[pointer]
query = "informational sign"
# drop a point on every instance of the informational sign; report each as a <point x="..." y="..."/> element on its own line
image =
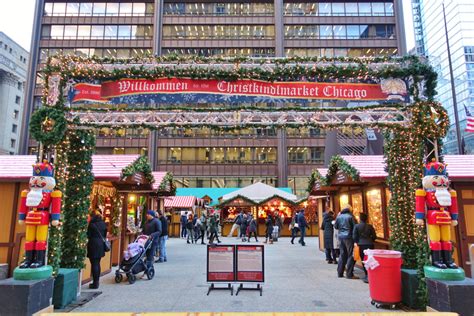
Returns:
<point x="186" y="91"/>
<point x="220" y="263"/>
<point x="370" y="134"/>
<point x="250" y="263"/>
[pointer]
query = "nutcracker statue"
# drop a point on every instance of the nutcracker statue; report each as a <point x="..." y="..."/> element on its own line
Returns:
<point x="38" y="206"/>
<point x="436" y="203"/>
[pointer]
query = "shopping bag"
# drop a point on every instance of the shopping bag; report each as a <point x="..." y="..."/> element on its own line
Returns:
<point x="356" y="253"/>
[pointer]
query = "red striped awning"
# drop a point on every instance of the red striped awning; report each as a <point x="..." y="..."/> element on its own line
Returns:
<point x="158" y="175"/>
<point x="180" y="201"/>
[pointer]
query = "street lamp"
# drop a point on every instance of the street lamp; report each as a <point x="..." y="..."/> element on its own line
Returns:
<point x="453" y="88"/>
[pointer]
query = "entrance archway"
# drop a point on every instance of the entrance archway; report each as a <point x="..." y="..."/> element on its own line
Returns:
<point x="392" y="95"/>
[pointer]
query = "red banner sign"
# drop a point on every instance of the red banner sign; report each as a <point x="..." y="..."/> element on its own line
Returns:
<point x="220" y="263"/>
<point x="250" y="264"/>
<point x="388" y="89"/>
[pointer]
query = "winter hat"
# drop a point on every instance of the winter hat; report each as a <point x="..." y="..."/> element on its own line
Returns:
<point x="151" y="212"/>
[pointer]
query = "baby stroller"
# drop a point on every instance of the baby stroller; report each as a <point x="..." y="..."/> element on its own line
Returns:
<point x="134" y="261"/>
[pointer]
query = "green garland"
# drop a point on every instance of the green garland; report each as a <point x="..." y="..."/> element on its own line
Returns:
<point x="78" y="189"/>
<point x="52" y="134"/>
<point x="314" y="178"/>
<point x="140" y="165"/>
<point x="338" y="163"/>
<point x="167" y="184"/>
<point x="115" y="214"/>
<point x="285" y="69"/>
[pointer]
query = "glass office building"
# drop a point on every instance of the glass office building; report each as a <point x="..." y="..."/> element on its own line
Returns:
<point x="275" y="28"/>
<point x="431" y="41"/>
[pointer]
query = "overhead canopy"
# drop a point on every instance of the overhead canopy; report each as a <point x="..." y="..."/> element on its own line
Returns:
<point x="213" y="193"/>
<point x="258" y="192"/>
<point x="460" y="167"/>
<point x="109" y="167"/>
<point x="181" y="201"/>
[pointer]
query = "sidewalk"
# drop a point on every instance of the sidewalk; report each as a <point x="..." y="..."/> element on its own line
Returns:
<point x="298" y="279"/>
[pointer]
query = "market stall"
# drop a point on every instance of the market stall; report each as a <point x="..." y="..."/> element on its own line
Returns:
<point x="358" y="181"/>
<point x="120" y="190"/>
<point x="260" y="200"/>
<point x="179" y="205"/>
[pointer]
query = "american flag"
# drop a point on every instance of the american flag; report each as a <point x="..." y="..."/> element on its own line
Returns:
<point x="470" y="120"/>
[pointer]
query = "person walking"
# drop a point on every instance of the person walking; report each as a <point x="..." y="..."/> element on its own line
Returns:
<point x="183" y="220"/>
<point x="213" y="227"/>
<point x="163" y="237"/>
<point x="196" y="228"/>
<point x="294" y="227"/>
<point x="190" y="229"/>
<point x="345" y="224"/>
<point x="302" y="224"/>
<point x="243" y="227"/>
<point x="278" y="223"/>
<point x="252" y="227"/>
<point x="328" y="229"/>
<point x="152" y="228"/>
<point x="203" y="221"/>
<point x="236" y="225"/>
<point x="269" y="229"/>
<point x="364" y="236"/>
<point x="96" y="233"/>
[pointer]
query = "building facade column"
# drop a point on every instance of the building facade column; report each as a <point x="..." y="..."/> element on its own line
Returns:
<point x="282" y="158"/>
<point x="28" y="105"/>
<point x="279" y="29"/>
<point x="400" y="25"/>
<point x="157" y="35"/>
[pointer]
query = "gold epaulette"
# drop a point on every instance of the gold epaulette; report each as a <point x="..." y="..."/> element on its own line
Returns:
<point x="56" y="194"/>
<point x="453" y="193"/>
<point x="420" y="192"/>
<point x="24" y="193"/>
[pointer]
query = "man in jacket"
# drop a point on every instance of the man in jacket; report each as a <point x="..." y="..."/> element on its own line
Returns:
<point x="183" y="220"/>
<point x="152" y="229"/>
<point x="302" y="225"/>
<point x="236" y="225"/>
<point x="364" y="236"/>
<point x="345" y="225"/>
<point x="163" y="237"/>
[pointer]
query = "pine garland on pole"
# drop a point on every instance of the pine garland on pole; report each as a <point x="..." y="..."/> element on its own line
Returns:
<point x="78" y="188"/>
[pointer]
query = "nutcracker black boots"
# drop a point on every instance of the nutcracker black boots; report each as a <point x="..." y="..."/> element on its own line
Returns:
<point x="28" y="259"/>
<point x="437" y="259"/>
<point x="448" y="259"/>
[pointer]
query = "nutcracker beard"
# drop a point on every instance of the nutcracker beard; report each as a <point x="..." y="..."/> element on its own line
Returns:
<point x="443" y="197"/>
<point x="34" y="197"/>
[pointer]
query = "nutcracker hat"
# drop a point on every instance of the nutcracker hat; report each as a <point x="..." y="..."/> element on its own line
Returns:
<point x="42" y="169"/>
<point x="435" y="168"/>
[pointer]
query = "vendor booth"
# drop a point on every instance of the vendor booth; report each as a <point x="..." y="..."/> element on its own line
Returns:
<point x="120" y="191"/>
<point x="362" y="185"/>
<point x="358" y="181"/>
<point x="260" y="200"/>
<point x="176" y="206"/>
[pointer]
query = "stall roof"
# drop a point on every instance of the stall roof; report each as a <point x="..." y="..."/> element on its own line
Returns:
<point x="104" y="167"/>
<point x="369" y="166"/>
<point x="109" y="167"/>
<point x="158" y="175"/>
<point x="258" y="192"/>
<point x="460" y="166"/>
<point x="180" y="201"/>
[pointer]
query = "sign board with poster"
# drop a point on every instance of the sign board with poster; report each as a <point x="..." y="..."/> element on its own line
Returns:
<point x="220" y="266"/>
<point x="250" y="266"/>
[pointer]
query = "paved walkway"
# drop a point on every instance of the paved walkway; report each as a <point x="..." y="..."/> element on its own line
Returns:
<point x="298" y="279"/>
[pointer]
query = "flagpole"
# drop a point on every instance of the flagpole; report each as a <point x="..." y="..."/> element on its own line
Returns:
<point x="453" y="89"/>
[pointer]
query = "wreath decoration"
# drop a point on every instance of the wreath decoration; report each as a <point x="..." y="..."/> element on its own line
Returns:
<point x="48" y="125"/>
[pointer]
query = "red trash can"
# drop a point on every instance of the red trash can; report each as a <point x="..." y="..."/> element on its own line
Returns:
<point x="384" y="269"/>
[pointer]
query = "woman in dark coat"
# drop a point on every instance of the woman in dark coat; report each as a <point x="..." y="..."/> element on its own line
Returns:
<point x="328" y="228"/>
<point x="269" y="229"/>
<point x="96" y="233"/>
<point x="252" y="227"/>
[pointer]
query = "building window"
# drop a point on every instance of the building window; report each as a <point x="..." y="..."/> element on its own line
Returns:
<point x="218" y="31"/>
<point x="16" y="113"/>
<point x="17" y="100"/>
<point x="14" y="128"/>
<point x="20" y="86"/>
<point x="12" y="143"/>
<point x="96" y="32"/>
